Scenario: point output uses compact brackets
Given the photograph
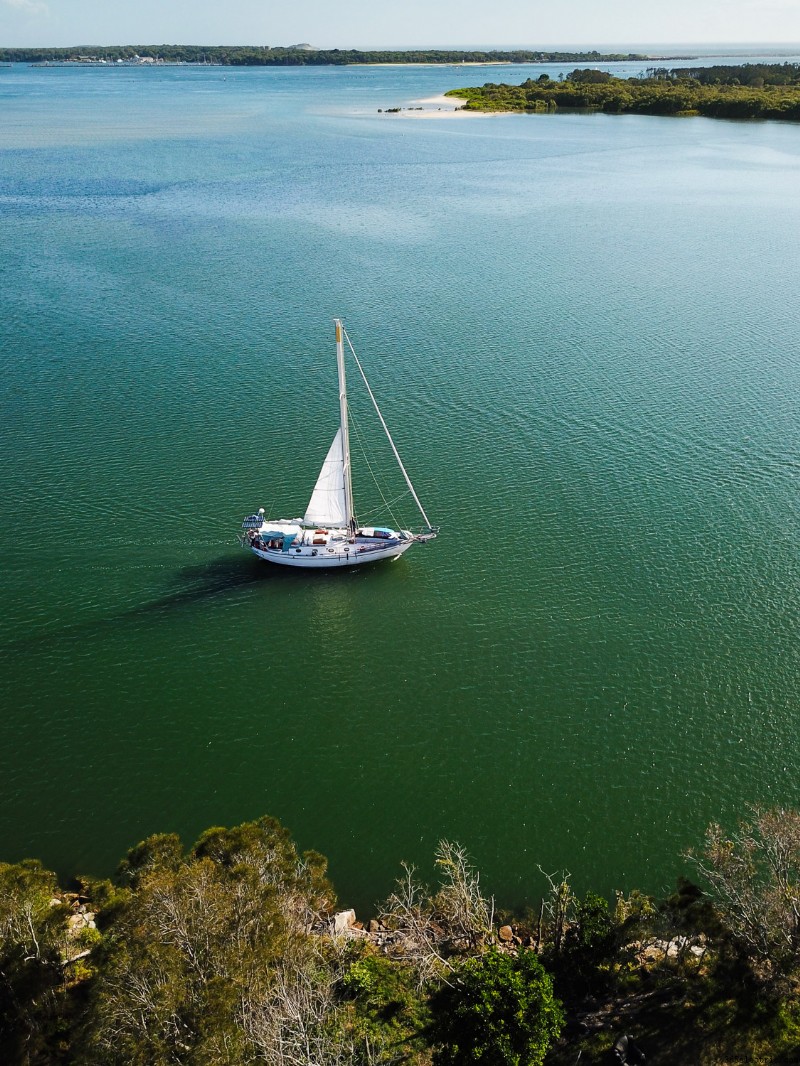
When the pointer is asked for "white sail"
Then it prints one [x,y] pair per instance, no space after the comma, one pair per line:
[328,503]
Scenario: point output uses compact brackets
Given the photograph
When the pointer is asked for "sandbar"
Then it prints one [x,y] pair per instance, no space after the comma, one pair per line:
[438,107]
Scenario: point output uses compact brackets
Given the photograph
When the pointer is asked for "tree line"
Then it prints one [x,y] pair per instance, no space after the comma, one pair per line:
[231,952]
[756,74]
[768,92]
[297,56]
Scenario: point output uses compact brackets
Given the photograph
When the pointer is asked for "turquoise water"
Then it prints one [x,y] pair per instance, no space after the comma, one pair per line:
[584,334]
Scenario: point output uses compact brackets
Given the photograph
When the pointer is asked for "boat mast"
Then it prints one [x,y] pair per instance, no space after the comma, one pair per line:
[343,420]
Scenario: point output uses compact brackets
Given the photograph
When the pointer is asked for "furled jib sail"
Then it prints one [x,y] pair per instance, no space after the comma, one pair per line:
[328,506]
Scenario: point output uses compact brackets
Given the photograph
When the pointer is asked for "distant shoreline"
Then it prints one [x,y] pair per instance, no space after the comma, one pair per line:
[307,55]
[91,55]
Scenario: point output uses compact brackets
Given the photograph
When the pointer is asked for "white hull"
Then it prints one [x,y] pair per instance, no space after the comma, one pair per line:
[348,555]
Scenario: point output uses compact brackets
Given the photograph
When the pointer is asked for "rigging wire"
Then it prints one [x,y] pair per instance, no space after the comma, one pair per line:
[387,504]
[377,512]
[386,429]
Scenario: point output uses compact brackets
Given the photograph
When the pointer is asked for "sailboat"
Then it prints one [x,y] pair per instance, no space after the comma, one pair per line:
[329,534]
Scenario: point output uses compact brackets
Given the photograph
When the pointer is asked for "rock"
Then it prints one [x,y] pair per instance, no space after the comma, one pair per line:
[373,926]
[358,925]
[343,921]
[506,934]
[673,948]
[55,902]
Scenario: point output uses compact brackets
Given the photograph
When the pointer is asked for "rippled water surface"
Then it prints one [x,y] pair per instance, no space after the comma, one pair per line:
[584,333]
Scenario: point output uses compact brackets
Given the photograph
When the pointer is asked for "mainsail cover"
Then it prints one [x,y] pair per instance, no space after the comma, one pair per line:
[328,505]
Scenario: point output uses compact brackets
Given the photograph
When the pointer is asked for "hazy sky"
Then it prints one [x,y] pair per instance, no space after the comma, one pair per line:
[399,23]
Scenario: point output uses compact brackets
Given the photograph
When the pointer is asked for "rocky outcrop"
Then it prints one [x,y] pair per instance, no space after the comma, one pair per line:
[81,926]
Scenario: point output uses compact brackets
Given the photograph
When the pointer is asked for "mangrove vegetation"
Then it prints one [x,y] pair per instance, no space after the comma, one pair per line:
[765,91]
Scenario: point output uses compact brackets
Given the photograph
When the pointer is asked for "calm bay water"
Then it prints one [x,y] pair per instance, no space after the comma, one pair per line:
[584,334]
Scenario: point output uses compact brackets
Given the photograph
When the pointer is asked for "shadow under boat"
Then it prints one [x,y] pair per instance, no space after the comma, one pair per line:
[227,574]
[192,585]
[230,573]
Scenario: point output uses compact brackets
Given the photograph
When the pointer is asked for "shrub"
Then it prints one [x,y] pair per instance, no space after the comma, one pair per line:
[500,1011]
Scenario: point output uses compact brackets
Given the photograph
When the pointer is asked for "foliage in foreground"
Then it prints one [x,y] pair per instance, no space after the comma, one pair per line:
[34,981]
[227,954]
[716,92]
[754,875]
[499,1009]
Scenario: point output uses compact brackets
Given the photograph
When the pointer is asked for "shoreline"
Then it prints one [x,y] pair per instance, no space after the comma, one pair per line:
[743,91]
[439,106]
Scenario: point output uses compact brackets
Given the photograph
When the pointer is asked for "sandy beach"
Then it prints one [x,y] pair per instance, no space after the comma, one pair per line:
[437,107]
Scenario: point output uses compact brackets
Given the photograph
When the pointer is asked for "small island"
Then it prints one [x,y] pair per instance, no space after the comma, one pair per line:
[768,91]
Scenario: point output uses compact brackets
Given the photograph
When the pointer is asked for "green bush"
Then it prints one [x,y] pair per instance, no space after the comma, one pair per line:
[499,1011]
[386,1008]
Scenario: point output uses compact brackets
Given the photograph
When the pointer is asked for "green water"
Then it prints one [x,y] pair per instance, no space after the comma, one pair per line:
[584,334]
